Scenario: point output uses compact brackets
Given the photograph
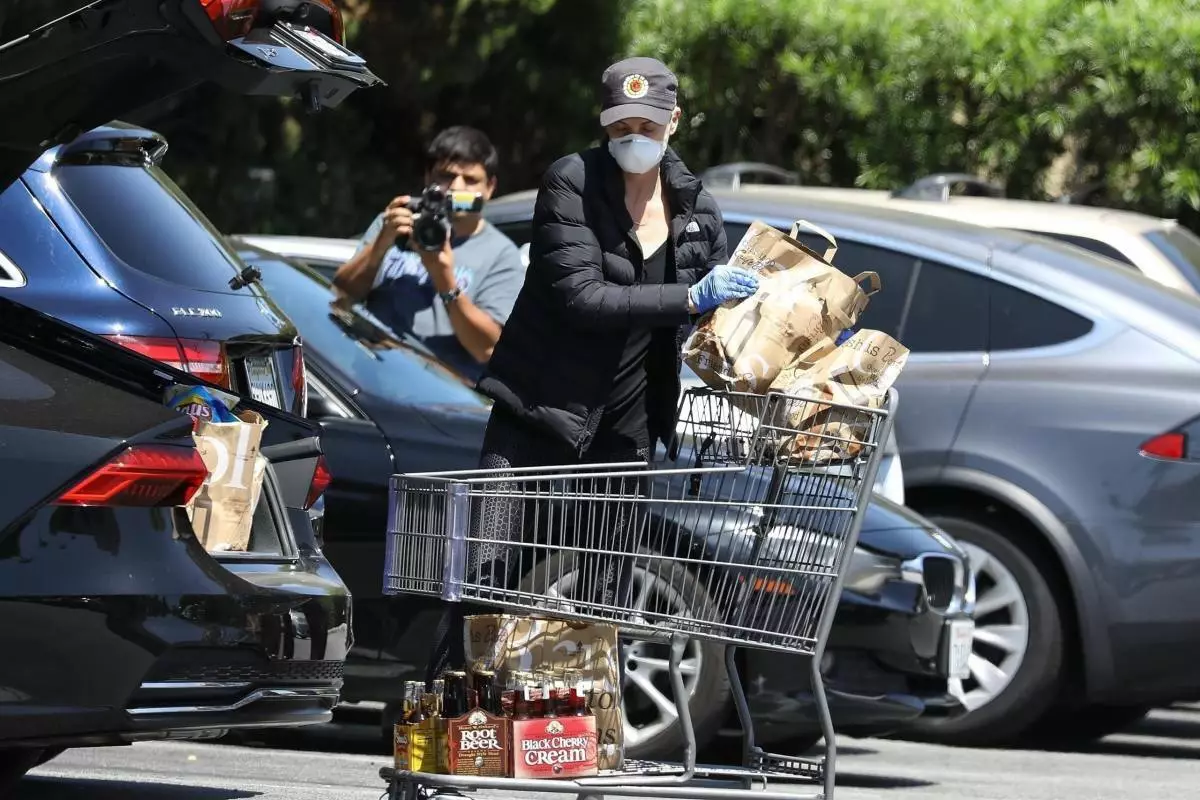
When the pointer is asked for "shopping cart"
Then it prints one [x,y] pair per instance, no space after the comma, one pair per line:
[751,515]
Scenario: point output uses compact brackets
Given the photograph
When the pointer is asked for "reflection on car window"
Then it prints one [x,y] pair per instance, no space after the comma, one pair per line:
[1087,243]
[360,347]
[1019,320]
[154,227]
[1182,247]
[948,313]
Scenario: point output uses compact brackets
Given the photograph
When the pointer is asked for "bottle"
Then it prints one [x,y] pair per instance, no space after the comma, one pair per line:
[579,700]
[402,732]
[485,689]
[439,689]
[422,747]
[550,706]
[454,699]
[521,703]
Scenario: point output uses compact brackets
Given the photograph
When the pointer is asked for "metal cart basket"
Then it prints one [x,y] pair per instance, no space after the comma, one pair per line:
[752,513]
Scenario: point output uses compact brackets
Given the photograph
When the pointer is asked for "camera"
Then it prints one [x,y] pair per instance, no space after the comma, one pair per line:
[433,210]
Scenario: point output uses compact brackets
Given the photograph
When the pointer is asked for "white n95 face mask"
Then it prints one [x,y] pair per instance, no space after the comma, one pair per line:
[637,154]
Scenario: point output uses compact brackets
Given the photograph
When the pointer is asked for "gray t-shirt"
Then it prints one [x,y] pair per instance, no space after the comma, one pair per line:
[489,269]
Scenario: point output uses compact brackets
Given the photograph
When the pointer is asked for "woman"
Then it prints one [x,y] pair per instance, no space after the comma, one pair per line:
[627,249]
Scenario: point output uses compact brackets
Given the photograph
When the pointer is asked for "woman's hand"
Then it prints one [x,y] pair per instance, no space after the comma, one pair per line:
[722,284]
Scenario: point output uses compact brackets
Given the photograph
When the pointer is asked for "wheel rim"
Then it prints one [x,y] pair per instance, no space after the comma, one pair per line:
[1001,630]
[647,702]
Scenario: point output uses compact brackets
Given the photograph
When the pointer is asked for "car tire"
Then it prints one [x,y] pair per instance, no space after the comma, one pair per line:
[709,685]
[14,763]
[1075,726]
[1026,680]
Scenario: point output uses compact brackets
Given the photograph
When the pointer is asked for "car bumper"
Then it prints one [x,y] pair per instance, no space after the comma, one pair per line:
[886,664]
[157,639]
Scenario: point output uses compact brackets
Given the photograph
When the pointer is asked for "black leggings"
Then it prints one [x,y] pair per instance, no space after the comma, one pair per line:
[511,443]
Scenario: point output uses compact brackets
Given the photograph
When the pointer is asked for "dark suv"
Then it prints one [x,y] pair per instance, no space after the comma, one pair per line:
[116,623]
[97,235]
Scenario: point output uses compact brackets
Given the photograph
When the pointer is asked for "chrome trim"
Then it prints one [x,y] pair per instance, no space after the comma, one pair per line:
[258,695]
[11,276]
[913,571]
[166,686]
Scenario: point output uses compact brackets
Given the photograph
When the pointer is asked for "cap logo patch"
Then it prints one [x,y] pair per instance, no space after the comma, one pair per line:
[635,87]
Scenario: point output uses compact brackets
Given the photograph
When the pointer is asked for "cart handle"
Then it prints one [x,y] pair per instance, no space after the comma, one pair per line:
[504,475]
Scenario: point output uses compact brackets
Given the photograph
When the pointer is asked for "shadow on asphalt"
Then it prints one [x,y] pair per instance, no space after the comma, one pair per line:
[365,740]
[1154,737]
[45,788]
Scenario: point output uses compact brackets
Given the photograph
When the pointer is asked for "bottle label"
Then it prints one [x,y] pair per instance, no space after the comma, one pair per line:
[401,734]
[560,747]
[423,748]
[478,745]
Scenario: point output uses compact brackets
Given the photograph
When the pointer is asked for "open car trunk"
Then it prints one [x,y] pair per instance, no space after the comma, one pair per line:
[67,66]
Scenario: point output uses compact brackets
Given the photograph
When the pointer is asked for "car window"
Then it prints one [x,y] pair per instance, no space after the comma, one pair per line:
[886,307]
[150,224]
[1019,319]
[1087,243]
[1182,247]
[948,312]
[375,360]
[520,232]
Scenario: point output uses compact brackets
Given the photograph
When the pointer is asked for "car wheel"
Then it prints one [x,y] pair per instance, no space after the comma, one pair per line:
[648,704]
[1017,656]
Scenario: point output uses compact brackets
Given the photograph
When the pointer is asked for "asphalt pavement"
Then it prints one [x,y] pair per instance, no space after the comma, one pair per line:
[1159,759]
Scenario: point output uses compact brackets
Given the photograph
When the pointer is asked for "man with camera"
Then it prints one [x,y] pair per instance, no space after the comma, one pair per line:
[431,266]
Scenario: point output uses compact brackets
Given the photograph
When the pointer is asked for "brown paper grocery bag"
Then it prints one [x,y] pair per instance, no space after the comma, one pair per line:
[222,512]
[507,643]
[802,304]
[857,373]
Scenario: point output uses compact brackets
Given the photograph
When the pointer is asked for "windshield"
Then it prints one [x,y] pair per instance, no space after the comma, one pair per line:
[1182,248]
[356,345]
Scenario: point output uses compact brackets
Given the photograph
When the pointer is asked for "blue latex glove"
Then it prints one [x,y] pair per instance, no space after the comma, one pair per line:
[843,336]
[721,284]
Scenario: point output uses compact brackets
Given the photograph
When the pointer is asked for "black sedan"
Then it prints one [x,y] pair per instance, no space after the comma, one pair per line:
[386,406]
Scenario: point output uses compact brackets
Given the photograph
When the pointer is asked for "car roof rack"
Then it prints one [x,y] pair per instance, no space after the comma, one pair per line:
[735,174]
[936,187]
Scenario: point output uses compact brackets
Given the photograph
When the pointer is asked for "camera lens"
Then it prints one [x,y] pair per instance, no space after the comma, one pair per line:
[430,233]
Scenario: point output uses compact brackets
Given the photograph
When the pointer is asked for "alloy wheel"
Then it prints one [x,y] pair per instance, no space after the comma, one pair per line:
[1001,630]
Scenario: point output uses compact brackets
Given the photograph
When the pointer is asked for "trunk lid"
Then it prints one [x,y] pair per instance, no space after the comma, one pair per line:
[67,66]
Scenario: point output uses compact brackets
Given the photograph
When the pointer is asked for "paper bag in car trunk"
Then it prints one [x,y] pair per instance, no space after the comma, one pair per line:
[507,643]
[857,373]
[222,512]
[803,302]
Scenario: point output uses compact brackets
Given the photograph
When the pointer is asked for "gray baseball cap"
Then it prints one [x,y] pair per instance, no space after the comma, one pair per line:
[638,87]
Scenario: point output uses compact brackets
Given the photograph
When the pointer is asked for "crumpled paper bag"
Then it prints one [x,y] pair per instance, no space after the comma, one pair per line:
[802,304]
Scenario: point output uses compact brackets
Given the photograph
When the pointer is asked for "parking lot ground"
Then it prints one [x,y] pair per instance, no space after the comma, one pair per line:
[1158,759]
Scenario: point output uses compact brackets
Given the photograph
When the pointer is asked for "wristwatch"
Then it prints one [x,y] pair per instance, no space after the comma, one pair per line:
[450,296]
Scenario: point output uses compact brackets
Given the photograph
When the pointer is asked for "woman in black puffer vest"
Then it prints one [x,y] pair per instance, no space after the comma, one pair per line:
[628,248]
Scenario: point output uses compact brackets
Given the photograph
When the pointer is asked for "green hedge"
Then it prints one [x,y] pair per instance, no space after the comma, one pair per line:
[1046,96]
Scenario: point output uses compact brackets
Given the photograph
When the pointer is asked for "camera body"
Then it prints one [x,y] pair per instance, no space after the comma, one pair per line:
[433,210]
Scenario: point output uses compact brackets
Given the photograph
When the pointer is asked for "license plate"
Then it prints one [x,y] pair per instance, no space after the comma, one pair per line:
[263,386]
[961,634]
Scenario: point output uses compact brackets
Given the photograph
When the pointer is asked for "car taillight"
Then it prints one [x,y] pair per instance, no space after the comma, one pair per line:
[142,475]
[1171,446]
[337,29]
[299,380]
[320,482]
[201,357]
[231,18]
